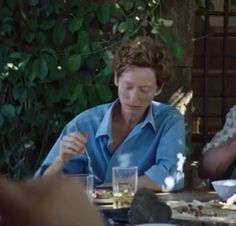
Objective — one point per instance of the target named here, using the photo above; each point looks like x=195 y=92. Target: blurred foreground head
x=45 y=202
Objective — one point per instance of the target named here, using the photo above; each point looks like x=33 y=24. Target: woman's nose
x=133 y=96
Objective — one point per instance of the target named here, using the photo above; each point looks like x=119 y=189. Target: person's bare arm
x=215 y=161
x=46 y=201
x=145 y=182
x=71 y=145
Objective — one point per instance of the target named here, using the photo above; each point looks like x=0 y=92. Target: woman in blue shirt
x=132 y=131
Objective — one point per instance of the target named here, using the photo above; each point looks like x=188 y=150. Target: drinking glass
x=87 y=183
x=124 y=185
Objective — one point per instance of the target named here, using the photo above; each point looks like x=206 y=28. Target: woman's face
x=136 y=89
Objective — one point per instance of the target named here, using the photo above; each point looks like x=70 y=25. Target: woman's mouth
x=133 y=106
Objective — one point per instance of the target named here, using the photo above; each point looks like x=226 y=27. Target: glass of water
x=124 y=185
x=87 y=183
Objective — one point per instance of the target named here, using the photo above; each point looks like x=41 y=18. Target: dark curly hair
x=142 y=52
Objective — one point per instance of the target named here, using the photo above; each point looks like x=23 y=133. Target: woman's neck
x=127 y=120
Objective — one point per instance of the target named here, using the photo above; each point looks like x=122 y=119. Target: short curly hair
x=142 y=52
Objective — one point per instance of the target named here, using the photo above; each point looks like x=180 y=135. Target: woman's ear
x=115 y=79
x=159 y=89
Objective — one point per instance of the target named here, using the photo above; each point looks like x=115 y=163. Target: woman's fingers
x=75 y=141
x=76 y=137
x=72 y=144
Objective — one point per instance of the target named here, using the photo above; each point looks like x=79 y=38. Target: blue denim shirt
x=156 y=145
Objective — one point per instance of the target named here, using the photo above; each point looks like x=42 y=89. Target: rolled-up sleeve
x=75 y=164
x=170 y=156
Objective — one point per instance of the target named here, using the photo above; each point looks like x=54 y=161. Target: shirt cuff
x=166 y=180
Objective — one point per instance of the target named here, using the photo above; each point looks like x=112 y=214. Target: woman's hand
x=71 y=145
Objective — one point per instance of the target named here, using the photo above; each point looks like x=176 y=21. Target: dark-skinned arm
x=215 y=161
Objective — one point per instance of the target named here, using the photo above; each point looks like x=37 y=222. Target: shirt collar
x=105 y=125
x=149 y=118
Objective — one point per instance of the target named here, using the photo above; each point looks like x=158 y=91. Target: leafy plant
x=54 y=63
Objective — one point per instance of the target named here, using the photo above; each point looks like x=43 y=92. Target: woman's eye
x=127 y=87
x=145 y=90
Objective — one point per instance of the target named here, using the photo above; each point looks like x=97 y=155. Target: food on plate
x=213 y=208
x=102 y=194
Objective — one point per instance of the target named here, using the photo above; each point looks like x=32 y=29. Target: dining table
x=207 y=199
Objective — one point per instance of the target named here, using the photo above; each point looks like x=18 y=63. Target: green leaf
x=5 y=12
x=51 y=61
x=107 y=70
x=103 y=14
x=93 y=97
x=6 y=28
x=140 y=5
x=48 y=9
x=4 y=53
x=128 y=5
x=40 y=37
x=1 y=120
x=164 y=35
x=178 y=52
x=15 y=55
x=8 y=111
x=93 y=61
x=198 y=3
x=58 y=34
x=74 y=62
x=83 y=100
x=83 y=40
x=50 y=51
x=56 y=75
x=123 y=26
x=30 y=70
x=19 y=93
x=66 y=88
x=40 y=68
x=28 y=35
x=47 y=24
x=116 y=11
x=167 y=38
x=202 y=10
x=24 y=60
x=77 y=92
x=75 y=24
x=107 y=57
x=233 y=2
x=8 y=19
x=11 y=4
x=33 y=2
x=53 y=95
x=104 y=92
x=0 y=84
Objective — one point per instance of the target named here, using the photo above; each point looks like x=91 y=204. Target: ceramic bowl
x=225 y=188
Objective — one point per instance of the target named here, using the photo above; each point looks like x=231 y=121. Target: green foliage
x=233 y=3
x=55 y=62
